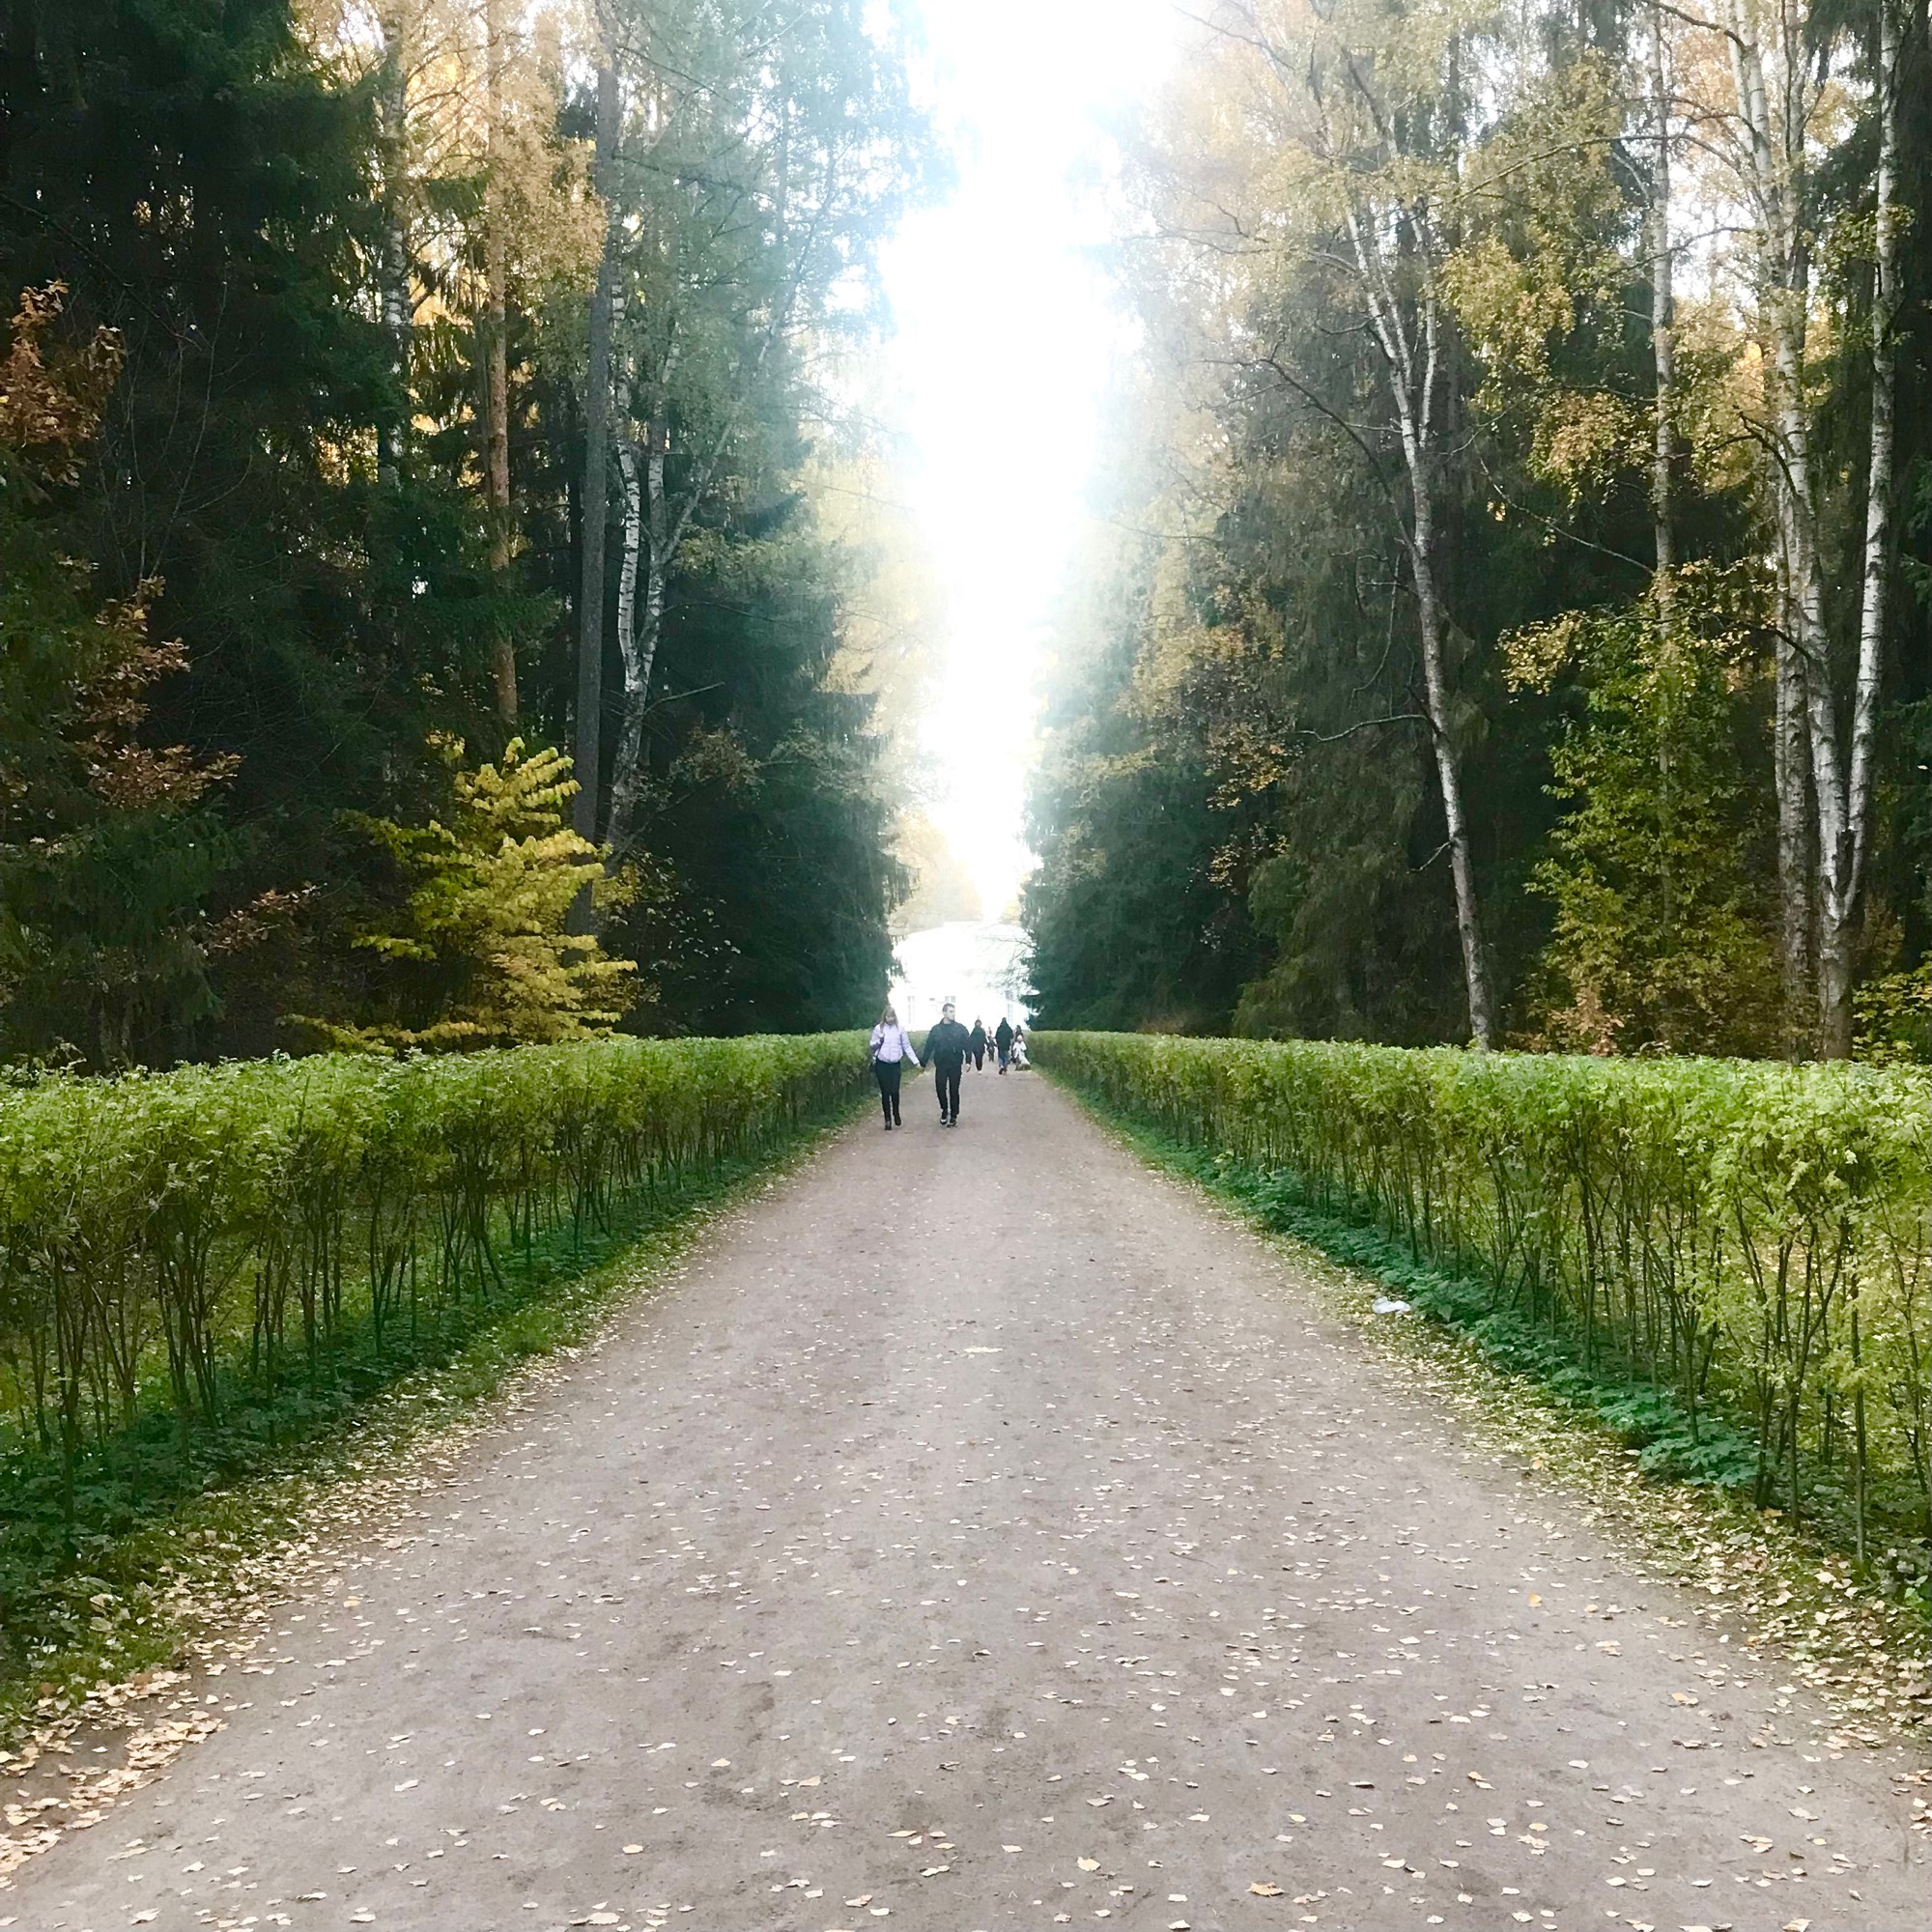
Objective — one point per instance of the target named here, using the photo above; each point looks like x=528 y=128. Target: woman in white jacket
x=890 y=1050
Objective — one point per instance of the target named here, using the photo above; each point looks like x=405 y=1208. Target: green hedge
x=1746 y=1236
x=183 y=1242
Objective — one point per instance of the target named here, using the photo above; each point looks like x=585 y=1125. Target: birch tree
x=1357 y=119
x=1789 y=69
x=762 y=156
x=589 y=711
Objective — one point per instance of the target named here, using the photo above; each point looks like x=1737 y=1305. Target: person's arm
x=905 y=1041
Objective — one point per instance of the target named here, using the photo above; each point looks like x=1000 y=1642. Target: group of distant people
x=948 y=1046
x=1005 y=1041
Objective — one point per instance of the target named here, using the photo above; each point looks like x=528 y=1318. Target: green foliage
x=205 y=190
x=764 y=876
x=291 y=480
x=109 y=858
x=199 y=1265
x=1745 y=1241
x=1130 y=917
x=206 y=1272
x=1659 y=873
x=1259 y=770
x=1896 y=1018
x=754 y=817
x=483 y=936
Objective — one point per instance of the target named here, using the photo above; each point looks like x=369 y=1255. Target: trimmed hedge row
x=182 y=1236
x=1742 y=1233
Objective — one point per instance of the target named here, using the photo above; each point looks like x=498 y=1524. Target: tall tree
x=1776 y=126
x=766 y=151
x=1364 y=117
x=346 y=251
x=1340 y=200
x=495 y=335
x=594 y=511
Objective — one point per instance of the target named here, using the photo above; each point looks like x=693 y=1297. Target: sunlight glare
x=1004 y=336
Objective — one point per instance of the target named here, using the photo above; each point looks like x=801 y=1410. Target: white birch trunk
x=596 y=485
x=626 y=772
x=626 y=568
x=1791 y=768
x=640 y=631
x=1414 y=369
x=1662 y=319
x=1844 y=909
x=1775 y=172
x=652 y=625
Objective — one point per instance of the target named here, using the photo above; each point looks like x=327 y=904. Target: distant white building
x=980 y=965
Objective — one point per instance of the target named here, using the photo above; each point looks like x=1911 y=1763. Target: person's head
x=947 y=1012
x=888 y=1017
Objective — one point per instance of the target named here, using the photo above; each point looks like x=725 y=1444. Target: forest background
x=326 y=713
x=1508 y=615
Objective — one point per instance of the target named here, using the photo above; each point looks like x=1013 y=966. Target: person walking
x=946 y=1046
x=890 y=1049
x=1002 y=1040
x=976 y=1044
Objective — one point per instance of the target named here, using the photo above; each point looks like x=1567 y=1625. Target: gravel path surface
x=980 y=1531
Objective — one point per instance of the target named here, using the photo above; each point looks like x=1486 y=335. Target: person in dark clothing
x=1002 y=1038
x=976 y=1046
x=946 y=1048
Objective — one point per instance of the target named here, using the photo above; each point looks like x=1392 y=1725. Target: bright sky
x=1004 y=339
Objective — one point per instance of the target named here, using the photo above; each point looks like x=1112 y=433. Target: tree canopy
x=1509 y=620
x=361 y=327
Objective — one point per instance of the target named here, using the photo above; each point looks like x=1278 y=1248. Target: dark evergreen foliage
x=208 y=188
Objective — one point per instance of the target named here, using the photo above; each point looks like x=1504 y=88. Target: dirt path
x=983 y=1533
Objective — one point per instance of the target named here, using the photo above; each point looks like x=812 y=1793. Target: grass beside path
x=171 y=1553
x=1620 y=1449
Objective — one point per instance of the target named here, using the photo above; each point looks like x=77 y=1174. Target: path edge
x=280 y=1532
x=1866 y=1656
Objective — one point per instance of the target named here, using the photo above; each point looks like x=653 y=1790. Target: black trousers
x=887 y=1073
x=946 y=1077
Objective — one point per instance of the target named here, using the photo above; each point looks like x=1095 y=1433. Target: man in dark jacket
x=946 y=1053
x=1002 y=1038
x=976 y=1046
